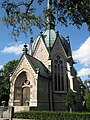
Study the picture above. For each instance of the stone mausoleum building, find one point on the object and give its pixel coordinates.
(44, 75)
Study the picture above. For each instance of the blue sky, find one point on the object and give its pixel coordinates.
(79, 39)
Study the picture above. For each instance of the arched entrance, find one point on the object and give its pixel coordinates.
(22, 90)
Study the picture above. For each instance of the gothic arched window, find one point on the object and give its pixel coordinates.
(58, 74)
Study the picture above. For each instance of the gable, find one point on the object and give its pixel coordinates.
(22, 66)
(30, 65)
(41, 53)
(58, 48)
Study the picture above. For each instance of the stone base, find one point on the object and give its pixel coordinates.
(21, 108)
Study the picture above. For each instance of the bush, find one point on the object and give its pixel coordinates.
(47, 115)
(88, 102)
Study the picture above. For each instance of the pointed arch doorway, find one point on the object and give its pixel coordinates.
(22, 90)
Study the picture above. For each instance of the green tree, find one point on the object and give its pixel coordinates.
(83, 90)
(82, 87)
(70, 100)
(76, 11)
(4, 80)
(88, 101)
(86, 83)
(21, 15)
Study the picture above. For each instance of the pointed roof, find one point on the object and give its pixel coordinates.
(37, 65)
(49, 37)
(49, 34)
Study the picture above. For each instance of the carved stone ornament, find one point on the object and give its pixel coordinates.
(27, 82)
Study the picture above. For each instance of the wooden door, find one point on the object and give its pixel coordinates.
(26, 96)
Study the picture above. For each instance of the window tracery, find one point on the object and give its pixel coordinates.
(58, 74)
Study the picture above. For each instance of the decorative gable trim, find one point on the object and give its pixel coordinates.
(20, 69)
(41, 39)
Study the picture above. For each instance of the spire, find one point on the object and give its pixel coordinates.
(49, 16)
(49, 4)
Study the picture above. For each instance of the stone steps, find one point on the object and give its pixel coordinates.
(4, 118)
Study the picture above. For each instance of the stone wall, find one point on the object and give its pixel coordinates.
(41, 52)
(43, 94)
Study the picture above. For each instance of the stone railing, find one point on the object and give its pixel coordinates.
(6, 113)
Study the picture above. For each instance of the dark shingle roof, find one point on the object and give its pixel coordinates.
(36, 64)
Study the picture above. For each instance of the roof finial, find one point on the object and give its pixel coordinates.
(67, 38)
(25, 49)
(50, 19)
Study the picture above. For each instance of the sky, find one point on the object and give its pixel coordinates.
(79, 40)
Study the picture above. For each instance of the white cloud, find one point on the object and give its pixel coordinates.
(84, 72)
(83, 53)
(1, 66)
(15, 49)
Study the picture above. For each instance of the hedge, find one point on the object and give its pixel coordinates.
(47, 115)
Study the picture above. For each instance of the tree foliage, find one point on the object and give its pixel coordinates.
(9, 67)
(21, 15)
(70, 99)
(4, 80)
(82, 87)
(76, 11)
